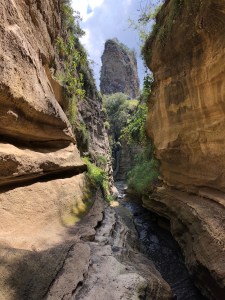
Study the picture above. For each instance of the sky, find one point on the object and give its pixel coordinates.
(107, 19)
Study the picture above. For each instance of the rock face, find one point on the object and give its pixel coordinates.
(36, 137)
(186, 121)
(43, 190)
(187, 118)
(91, 119)
(125, 160)
(119, 70)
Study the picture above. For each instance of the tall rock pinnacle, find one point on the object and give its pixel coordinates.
(119, 70)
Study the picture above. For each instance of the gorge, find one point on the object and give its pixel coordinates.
(66, 232)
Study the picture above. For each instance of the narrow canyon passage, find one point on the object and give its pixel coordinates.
(72, 123)
(160, 247)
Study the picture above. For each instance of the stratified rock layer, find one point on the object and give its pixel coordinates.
(35, 135)
(119, 70)
(186, 120)
(186, 117)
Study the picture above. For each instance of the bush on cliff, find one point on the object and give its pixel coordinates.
(144, 175)
(72, 54)
(134, 132)
(98, 178)
(74, 72)
(119, 109)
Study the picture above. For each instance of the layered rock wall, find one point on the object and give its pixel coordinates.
(43, 188)
(36, 137)
(186, 120)
(119, 70)
(186, 116)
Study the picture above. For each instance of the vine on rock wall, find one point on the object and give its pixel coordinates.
(72, 58)
(76, 76)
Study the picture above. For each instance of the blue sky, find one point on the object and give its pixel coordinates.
(105, 19)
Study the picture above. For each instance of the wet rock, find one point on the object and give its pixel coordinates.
(197, 224)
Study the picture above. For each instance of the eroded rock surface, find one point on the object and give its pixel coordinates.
(114, 270)
(119, 70)
(39, 249)
(36, 137)
(186, 121)
(96, 142)
(186, 116)
(43, 188)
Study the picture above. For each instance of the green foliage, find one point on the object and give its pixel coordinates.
(95, 174)
(148, 13)
(71, 21)
(72, 57)
(134, 132)
(145, 173)
(72, 110)
(101, 160)
(119, 110)
(161, 30)
(82, 134)
(106, 125)
(147, 87)
(98, 177)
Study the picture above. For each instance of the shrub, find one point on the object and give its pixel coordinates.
(72, 57)
(98, 178)
(147, 87)
(106, 125)
(101, 160)
(144, 174)
(72, 110)
(82, 137)
(119, 110)
(134, 132)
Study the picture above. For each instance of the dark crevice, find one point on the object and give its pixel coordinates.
(100, 222)
(59, 271)
(22, 181)
(42, 146)
(79, 286)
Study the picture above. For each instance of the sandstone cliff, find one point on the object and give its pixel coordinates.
(119, 70)
(186, 121)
